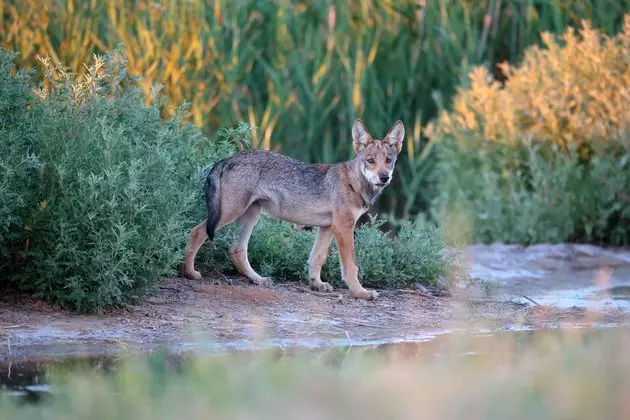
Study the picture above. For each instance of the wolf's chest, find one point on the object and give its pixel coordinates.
(358, 213)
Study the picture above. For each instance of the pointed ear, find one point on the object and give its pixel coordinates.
(360, 136)
(395, 136)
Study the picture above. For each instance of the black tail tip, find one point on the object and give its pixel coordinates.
(210, 233)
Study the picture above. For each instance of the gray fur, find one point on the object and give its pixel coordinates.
(286, 188)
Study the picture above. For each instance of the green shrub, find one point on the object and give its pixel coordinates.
(544, 156)
(414, 255)
(109, 190)
(517, 194)
(15, 161)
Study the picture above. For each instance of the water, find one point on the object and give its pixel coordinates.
(592, 298)
(28, 381)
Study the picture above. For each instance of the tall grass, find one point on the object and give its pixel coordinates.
(303, 71)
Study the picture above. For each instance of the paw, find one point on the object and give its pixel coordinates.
(365, 294)
(321, 286)
(263, 281)
(193, 275)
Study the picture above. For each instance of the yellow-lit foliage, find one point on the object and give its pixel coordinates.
(574, 91)
(300, 71)
(199, 52)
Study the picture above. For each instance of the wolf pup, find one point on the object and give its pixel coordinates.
(331, 197)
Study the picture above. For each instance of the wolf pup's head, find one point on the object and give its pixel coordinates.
(377, 157)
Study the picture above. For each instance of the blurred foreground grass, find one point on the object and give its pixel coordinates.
(563, 374)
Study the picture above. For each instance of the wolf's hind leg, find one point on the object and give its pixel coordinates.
(317, 259)
(198, 236)
(238, 251)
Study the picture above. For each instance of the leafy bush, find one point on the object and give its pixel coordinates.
(544, 157)
(106, 193)
(546, 200)
(14, 159)
(414, 255)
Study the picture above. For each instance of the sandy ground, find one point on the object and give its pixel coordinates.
(513, 287)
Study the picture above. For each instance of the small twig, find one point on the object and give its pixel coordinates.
(532, 301)
(365, 324)
(11, 326)
(225, 278)
(347, 334)
(314, 292)
(482, 300)
(154, 302)
(417, 292)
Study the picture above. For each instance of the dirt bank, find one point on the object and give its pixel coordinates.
(212, 314)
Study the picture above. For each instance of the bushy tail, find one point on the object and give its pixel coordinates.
(213, 198)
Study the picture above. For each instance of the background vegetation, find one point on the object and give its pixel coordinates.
(303, 71)
(544, 156)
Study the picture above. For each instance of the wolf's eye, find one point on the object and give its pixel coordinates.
(388, 160)
(370, 161)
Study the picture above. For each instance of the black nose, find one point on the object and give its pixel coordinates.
(383, 176)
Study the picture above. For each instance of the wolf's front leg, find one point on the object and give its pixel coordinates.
(317, 259)
(349, 271)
